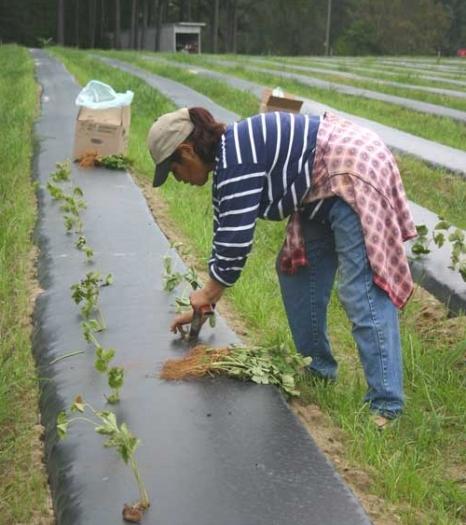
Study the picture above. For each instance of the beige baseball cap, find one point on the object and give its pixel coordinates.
(165, 135)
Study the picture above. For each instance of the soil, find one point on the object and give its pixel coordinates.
(133, 513)
(37, 461)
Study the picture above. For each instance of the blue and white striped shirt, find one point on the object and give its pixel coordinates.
(263, 170)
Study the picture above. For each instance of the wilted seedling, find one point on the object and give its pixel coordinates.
(182, 304)
(81, 244)
(55, 192)
(192, 278)
(420, 247)
(62, 172)
(118, 438)
(170, 279)
(89, 328)
(115, 378)
(103, 358)
(87, 292)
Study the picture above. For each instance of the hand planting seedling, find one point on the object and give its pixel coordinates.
(274, 365)
(87, 292)
(118, 438)
(173, 279)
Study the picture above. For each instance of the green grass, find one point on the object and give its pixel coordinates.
(408, 77)
(414, 465)
(435, 128)
(373, 85)
(448, 200)
(23, 488)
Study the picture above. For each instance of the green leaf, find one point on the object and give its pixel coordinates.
(442, 225)
(62, 425)
(439, 239)
(419, 249)
(78, 405)
(422, 230)
(116, 377)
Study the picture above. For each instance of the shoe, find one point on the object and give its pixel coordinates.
(382, 422)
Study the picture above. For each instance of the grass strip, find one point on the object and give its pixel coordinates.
(409, 77)
(407, 464)
(373, 85)
(447, 200)
(438, 129)
(373, 68)
(23, 486)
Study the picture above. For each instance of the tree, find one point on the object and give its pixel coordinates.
(215, 27)
(61, 22)
(92, 22)
(117, 28)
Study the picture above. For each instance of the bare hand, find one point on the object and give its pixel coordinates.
(180, 320)
(207, 295)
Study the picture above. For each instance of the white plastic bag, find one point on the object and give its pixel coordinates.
(278, 92)
(97, 95)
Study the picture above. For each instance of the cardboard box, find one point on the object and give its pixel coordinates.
(287, 103)
(102, 131)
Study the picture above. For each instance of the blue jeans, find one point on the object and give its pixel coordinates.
(373, 316)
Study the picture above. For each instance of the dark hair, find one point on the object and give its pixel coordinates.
(205, 135)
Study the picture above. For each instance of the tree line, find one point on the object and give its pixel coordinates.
(292, 27)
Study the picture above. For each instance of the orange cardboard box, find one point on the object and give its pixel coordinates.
(288, 102)
(103, 131)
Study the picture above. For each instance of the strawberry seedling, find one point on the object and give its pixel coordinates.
(118, 437)
(62, 172)
(81, 244)
(87, 292)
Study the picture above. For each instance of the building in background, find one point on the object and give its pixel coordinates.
(178, 36)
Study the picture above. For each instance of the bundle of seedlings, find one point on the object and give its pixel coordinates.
(272, 365)
(119, 438)
(112, 162)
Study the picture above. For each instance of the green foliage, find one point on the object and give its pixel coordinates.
(265, 365)
(87, 291)
(456, 238)
(118, 436)
(103, 358)
(23, 486)
(115, 162)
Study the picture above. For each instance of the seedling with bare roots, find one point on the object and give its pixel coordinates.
(118, 437)
(263, 365)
